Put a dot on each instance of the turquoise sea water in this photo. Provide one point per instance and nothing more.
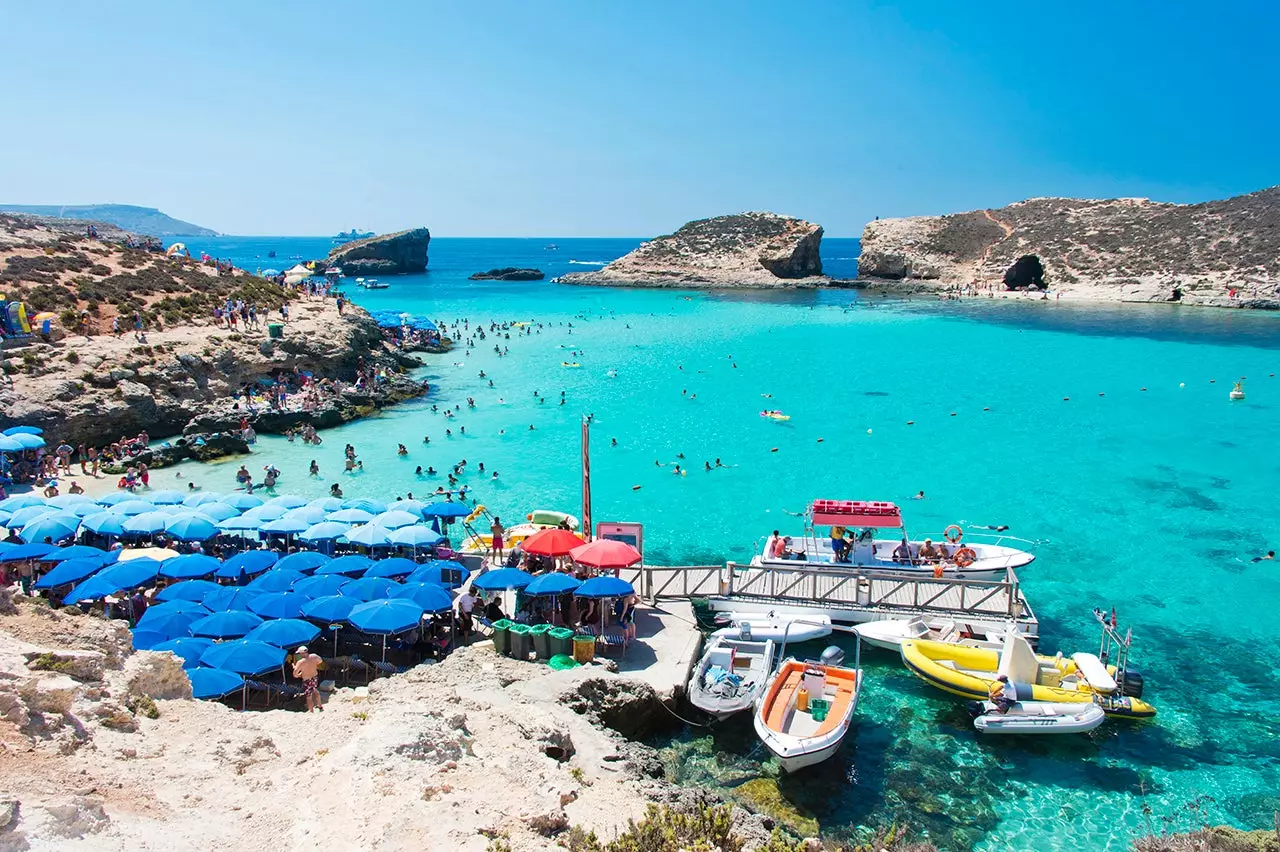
(1148, 490)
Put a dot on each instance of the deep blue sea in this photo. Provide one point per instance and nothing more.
(1102, 432)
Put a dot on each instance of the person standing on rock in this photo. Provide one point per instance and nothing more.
(306, 667)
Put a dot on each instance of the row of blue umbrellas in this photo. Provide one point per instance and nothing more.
(554, 583)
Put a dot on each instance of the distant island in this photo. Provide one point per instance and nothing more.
(1219, 253)
(741, 250)
(508, 273)
(139, 220)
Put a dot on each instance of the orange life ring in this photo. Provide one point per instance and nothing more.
(965, 557)
(954, 539)
(937, 571)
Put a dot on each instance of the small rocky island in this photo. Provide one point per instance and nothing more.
(742, 250)
(1222, 253)
(401, 253)
(509, 273)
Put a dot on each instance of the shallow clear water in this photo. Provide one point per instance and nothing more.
(1150, 500)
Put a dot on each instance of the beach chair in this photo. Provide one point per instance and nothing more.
(386, 668)
(483, 626)
(612, 641)
(358, 665)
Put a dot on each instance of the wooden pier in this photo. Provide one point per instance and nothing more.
(847, 596)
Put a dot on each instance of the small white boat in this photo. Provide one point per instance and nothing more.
(806, 709)
(1037, 717)
(731, 675)
(777, 626)
(1237, 392)
(371, 284)
(891, 633)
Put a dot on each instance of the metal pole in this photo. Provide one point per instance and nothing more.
(586, 478)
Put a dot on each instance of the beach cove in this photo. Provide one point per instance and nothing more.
(1107, 436)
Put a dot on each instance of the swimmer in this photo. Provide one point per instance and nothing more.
(677, 471)
(1271, 555)
(919, 496)
(402, 451)
(495, 474)
(418, 471)
(426, 439)
(530, 427)
(718, 464)
(431, 471)
(613, 442)
(707, 466)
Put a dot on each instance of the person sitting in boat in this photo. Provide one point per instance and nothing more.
(782, 550)
(944, 555)
(839, 545)
(927, 551)
(1002, 693)
(867, 536)
(902, 553)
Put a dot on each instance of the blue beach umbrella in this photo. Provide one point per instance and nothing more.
(327, 504)
(415, 537)
(278, 604)
(188, 590)
(230, 599)
(21, 517)
(387, 616)
(166, 498)
(145, 640)
(284, 633)
(189, 566)
(116, 498)
(446, 510)
(200, 498)
(285, 526)
(307, 514)
(20, 501)
(82, 510)
(442, 572)
(242, 502)
(276, 580)
(393, 519)
(10, 445)
(189, 607)
(264, 513)
(113, 579)
(28, 441)
(350, 565)
(369, 588)
(240, 523)
(605, 587)
(324, 531)
(215, 512)
(78, 551)
(373, 507)
(66, 501)
(252, 561)
(132, 507)
(429, 596)
(171, 625)
(4, 517)
(23, 430)
(502, 579)
(552, 584)
(55, 529)
(70, 571)
(397, 566)
(35, 550)
(306, 561)
(212, 684)
(186, 648)
(104, 523)
(350, 516)
(321, 586)
(244, 656)
(415, 507)
(191, 529)
(368, 535)
(330, 608)
(225, 625)
(286, 501)
(147, 523)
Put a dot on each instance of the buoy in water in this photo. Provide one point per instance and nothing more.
(1066, 399)
(1182, 384)
(820, 440)
(774, 450)
(953, 414)
(636, 487)
(1144, 388)
(986, 409)
(911, 422)
(868, 431)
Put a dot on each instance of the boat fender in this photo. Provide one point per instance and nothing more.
(937, 571)
(953, 533)
(965, 557)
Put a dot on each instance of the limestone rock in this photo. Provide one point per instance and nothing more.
(508, 273)
(81, 665)
(743, 250)
(49, 693)
(72, 818)
(156, 675)
(404, 252)
(629, 707)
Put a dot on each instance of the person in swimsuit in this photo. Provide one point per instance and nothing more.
(306, 667)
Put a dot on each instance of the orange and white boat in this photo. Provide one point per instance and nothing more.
(806, 709)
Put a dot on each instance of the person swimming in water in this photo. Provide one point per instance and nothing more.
(919, 496)
(402, 451)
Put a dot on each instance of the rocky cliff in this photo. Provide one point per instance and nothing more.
(508, 273)
(743, 250)
(1120, 249)
(401, 253)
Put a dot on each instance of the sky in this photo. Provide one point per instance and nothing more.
(628, 119)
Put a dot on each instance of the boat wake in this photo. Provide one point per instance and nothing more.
(590, 262)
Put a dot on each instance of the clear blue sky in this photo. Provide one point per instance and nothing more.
(627, 119)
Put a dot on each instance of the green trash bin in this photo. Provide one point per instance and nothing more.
(561, 641)
(584, 647)
(275, 329)
(538, 634)
(502, 636)
(521, 647)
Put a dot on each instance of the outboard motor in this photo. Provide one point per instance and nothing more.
(744, 631)
(833, 655)
(1131, 682)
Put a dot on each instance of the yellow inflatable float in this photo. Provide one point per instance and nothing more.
(970, 672)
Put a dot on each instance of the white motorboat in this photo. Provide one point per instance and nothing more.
(371, 284)
(731, 675)
(1037, 717)
(980, 557)
(778, 625)
(891, 633)
(806, 709)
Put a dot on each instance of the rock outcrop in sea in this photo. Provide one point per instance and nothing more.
(401, 253)
(742, 250)
(1126, 249)
(508, 273)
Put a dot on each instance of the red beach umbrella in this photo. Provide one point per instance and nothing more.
(605, 553)
(553, 542)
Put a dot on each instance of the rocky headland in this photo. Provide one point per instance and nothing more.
(181, 378)
(508, 273)
(1219, 253)
(125, 217)
(743, 250)
(401, 253)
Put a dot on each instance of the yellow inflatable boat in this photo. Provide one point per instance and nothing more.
(970, 672)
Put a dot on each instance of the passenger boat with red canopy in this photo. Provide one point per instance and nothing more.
(852, 543)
